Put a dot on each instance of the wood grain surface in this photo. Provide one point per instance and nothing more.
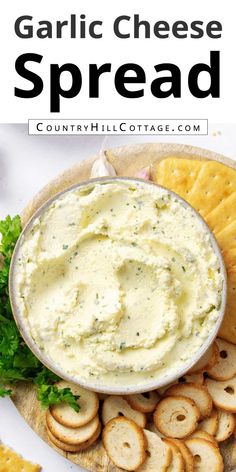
(127, 160)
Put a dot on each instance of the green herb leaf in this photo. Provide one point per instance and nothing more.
(17, 362)
(52, 395)
(4, 392)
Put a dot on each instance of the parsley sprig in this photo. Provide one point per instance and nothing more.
(17, 362)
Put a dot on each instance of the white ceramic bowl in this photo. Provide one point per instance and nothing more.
(111, 389)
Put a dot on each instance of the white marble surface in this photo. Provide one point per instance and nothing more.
(26, 164)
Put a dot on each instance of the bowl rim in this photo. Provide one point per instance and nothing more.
(93, 386)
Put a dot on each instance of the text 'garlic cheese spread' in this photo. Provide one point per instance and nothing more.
(118, 282)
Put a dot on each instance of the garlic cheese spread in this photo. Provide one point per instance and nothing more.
(118, 282)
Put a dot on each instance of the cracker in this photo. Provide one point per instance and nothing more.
(204, 435)
(177, 463)
(125, 443)
(186, 454)
(228, 328)
(152, 427)
(206, 455)
(223, 215)
(73, 436)
(69, 447)
(229, 256)
(144, 402)
(223, 393)
(115, 406)
(176, 417)
(225, 368)
(215, 182)
(10, 461)
(178, 174)
(198, 393)
(210, 424)
(226, 425)
(227, 237)
(159, 454)
(88, 403)
(208, 360)
(196, 378)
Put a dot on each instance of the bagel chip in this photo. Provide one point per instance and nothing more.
(115, 405)
(206, 455)
(125, 443)
(176, 416)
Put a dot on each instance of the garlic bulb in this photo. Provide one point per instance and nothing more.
(102, 167)
(144, 173)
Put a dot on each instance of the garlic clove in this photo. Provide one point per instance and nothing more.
(144, 173)
(102, 167)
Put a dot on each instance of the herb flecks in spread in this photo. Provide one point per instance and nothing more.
(118, 279)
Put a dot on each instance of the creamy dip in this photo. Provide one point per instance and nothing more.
(118, 282)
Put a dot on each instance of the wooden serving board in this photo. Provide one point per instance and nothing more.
(127, 160)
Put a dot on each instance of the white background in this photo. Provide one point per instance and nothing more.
(26, 164)
(146, 52)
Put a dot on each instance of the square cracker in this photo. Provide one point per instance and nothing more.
(12, 462)
(229, 256)
(215, 182)
(227, 237)
(228, 328)
(223, 215)
(178, 174)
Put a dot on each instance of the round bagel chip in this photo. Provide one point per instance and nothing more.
(226, 425)
(208, 360)
(210, 424)
(125, 443)
(88, 402)
(225, 368)
(186, 454)
(198, 393)
(206, 455)
(204, 435)
(159, 454)
(177, 463)
(73, 436)
(143, 402)
(115, 405)
(152, 427)
(223, 393)
(192, 378)
(176, 416)
(69, 447)
(188, 378)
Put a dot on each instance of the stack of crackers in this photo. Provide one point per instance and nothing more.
(210, 187)
(10, 461)
(72, 431)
